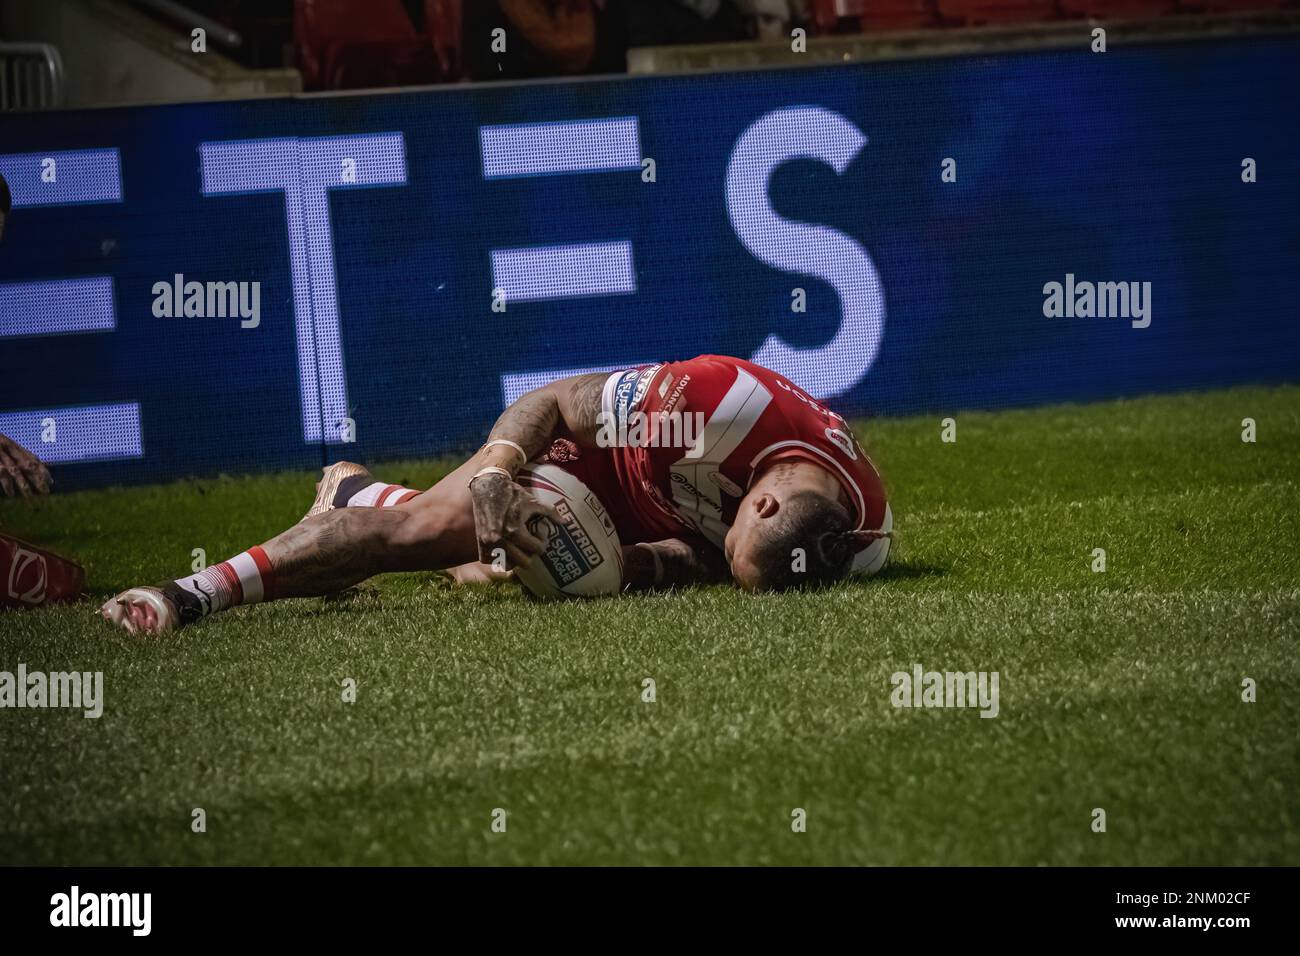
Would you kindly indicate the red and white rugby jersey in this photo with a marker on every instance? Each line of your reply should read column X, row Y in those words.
column 734, row 418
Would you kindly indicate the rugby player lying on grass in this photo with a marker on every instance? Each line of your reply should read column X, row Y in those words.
column 771, row 471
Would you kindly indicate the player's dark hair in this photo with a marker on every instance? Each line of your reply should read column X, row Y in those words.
column 6, row 200
column 817, row 525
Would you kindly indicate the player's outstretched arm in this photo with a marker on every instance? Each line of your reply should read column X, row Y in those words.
column 570, row 408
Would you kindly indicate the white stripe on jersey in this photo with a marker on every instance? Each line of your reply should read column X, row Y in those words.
column 794, row 443
column 696, row 495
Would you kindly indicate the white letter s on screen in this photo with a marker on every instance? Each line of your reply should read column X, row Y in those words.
column 775, row 138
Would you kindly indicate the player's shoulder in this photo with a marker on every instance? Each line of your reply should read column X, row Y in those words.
column 716, row 371
column 625, row 389
column 731, row 368
column 629, row 389
column 718, row 364
column 708, row 379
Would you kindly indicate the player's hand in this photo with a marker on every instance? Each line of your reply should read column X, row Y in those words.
column 503, row 514
column 671, row 563
column 21, row 472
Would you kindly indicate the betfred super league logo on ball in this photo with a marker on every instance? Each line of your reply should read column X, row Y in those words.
column 33, row 576
column 26, row 577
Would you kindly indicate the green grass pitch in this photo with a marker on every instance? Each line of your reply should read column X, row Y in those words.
column 1119, row 690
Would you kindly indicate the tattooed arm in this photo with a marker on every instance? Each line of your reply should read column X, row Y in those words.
column 568, row 407
column 502, row 510
column 22, row 473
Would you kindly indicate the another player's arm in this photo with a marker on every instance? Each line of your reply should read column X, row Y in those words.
column 21, row 472
column 502, row 510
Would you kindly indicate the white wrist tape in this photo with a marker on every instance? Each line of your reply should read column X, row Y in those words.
column 491, row 470
column 519, row 449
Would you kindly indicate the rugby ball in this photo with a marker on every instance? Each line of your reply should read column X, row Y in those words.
column 583, row 556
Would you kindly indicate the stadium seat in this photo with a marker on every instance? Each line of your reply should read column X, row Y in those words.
column 899, row 15
column 1236, row 6
column 1118, row 9
column 340, row 45
column 836, row 16
column 980, row 12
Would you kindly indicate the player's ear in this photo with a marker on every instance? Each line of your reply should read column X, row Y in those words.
column 766, row 505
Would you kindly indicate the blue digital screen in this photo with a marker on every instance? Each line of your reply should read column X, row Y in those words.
column 233, row 287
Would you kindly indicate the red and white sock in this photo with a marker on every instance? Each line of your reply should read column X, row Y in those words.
column 379, row 495
column 244, row 579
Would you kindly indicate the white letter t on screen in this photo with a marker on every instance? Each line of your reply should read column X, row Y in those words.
column 305, row 170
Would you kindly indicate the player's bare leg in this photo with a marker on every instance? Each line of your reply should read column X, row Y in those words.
column 325, row 553
column 346, row 484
